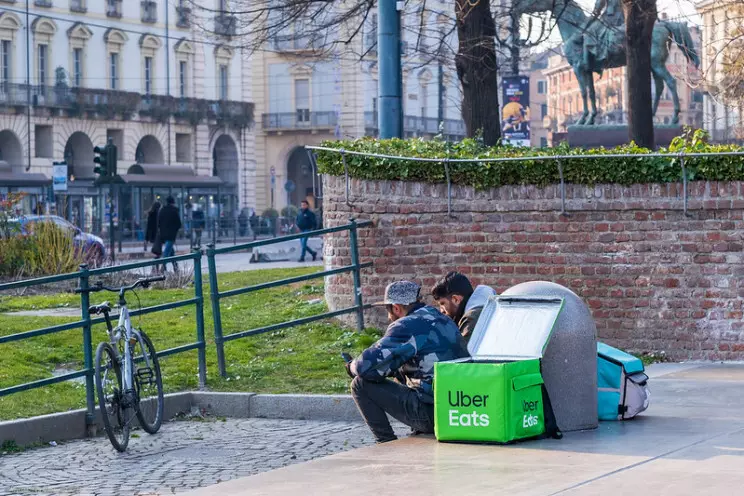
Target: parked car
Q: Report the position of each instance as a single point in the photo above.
(91, 245)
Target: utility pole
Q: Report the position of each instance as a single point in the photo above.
(390, 82)
(168, 72)
(440, 116)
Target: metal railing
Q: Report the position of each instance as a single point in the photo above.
(299, 120)
(86, 323)
(559, 160)
(220, 339)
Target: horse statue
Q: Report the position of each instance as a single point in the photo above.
(591, 47)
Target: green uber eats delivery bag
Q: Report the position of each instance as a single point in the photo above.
(498, 395)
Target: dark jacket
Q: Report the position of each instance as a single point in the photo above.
(410, 347)
(473, 309)
(197, 219)
(151, 231)
(306, 220)
(169, 223)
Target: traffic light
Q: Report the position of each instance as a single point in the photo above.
(105, 160)
(101, 161)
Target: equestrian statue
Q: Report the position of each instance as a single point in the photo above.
(598, 43)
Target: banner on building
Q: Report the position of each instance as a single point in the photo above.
(515, 114)
(59, 176)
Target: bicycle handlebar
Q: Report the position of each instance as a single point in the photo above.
(144, 282)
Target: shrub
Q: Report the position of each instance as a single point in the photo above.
(484, 175)
(45, 250)
(290, 212)
(270, 213)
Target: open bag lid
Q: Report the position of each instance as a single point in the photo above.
(516, 327)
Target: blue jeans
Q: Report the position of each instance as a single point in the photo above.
(305, 248)
(169, 251)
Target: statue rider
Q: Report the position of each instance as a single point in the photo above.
(598, 42)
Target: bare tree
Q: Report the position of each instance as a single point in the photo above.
(327, 28)
(640, 16)
(477, 69)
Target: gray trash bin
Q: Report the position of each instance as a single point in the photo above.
(569, 366)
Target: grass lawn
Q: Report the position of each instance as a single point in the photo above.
(297, 360)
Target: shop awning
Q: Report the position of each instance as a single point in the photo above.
(167, 175)
(10, 178)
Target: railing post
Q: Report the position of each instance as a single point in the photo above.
(215, 294)
(199, 295)
(357, 275)
(90, 401)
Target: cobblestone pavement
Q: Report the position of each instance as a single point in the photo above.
(183, 455)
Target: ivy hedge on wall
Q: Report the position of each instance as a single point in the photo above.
(483, 175)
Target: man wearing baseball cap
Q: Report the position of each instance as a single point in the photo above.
(418, 336)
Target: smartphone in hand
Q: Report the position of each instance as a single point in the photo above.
(347, 358)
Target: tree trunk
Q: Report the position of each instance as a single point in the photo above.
(477, 69)
(640, 16)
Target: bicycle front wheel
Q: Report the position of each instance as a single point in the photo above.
(111, 400)
(149, 385)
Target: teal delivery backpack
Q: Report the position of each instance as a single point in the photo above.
(622, 384)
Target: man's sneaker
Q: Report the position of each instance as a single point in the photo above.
(302, 260)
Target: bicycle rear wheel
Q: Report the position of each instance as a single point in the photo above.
(116, 417)
(149, 386)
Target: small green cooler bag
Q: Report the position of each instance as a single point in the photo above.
(499, 397)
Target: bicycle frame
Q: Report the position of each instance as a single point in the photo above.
(129, 333)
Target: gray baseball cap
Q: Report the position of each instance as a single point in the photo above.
(401, 293)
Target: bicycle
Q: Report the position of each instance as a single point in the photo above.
(137, 390)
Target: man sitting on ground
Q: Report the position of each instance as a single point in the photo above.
(456, 298)
(418, 336)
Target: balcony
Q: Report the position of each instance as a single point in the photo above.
(113, 8)
(43, 3)
(300, 120)
(149, 11)
(419, 126)
(78, 6)
(109, 105)
(184, 17)
(225, 25)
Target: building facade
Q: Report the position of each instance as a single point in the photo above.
(176, 104)
(721, 33)
(306, 94)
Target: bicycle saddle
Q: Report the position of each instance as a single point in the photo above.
(102, 308)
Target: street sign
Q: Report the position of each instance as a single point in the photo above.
(273, 170)
(59, 176)
(273, 176)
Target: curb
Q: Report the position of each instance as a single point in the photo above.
(67, 426)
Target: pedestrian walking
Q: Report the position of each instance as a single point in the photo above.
(306, 222)
(243, 222)
(169, 223)
(151, 230)
(197, 224)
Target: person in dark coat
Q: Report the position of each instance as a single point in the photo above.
(417, 338)
(151, 231)
(197, 224)
(169, 223)
(306, 222)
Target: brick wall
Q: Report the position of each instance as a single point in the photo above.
(655, 279)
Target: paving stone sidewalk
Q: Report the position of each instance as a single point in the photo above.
(183, 455)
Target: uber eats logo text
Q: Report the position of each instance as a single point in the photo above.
(465, 419)
(528, 419)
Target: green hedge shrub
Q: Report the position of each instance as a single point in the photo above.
(483, 175)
